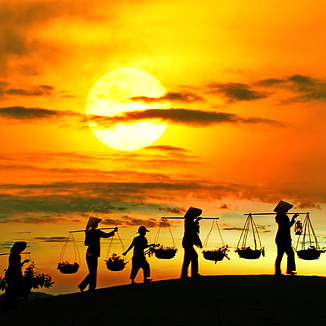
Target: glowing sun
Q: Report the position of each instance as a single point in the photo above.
(118, 92)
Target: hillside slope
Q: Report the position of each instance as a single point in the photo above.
(210, 300)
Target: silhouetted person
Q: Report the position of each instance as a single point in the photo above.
(139, 261)
(191, 239)
(14, 276)
(283, 238)
(92, 240)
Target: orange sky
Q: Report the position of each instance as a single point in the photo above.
(246, 125)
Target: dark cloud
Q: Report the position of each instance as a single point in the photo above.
(23, 113)
(167, 148)
(174, 210)
(185, 97)
(132, 221)
(232, 228)
(41, 90)
(110, 221)
(33, 115)
(224, 206)
(309, 89)
(54, 202)
(180, 116)
(308, 204)
(51, 239)
(6, 244)
(235, 92)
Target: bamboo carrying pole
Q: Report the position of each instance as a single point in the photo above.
(274, 213)
(96, 229)
(22, 253)
(182, 218)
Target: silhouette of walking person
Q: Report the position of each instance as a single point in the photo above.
(191, 238)
(92, 240)
(139, 261)
(14, 276)
(283, 238)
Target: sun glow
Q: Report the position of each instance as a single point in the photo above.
(120, 91)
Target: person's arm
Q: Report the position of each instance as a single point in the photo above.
(25, 261)
(130, 247)
(109, 234)
(293, 219)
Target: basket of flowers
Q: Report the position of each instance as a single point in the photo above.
(216, 254)
(68, 268)
(32, 279)
(165, 252)
(115, 263)
(308, 248)
(248, 253)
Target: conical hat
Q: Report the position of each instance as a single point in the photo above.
(18, 247)
(92, 222)
(283, 206)
(193, 213)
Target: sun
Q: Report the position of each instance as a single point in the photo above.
(120, 91)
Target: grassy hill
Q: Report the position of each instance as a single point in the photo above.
(210, 300)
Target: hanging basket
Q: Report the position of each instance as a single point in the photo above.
(248, 253)
(68, 268)
(245, 251)
(308, 239)
(64, 266)
(160, 251)
(165, 252)
(309, 254)
(216, 254)
(115, 263)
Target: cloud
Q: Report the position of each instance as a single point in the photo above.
(6, 244)
(309, 88)
(174, 210)
(179, 116)
(23, 113)
(40, 90)
(40, 115)
(185, 97)
(308, 204)
(235, 92)
(57, 202)
(195, 118)
(232, 228)
(133, 221)
(167, 148)
(51, 239)
(224, 206)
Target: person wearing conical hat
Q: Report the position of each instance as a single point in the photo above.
(14, 276)
(92, 241)
(191, 239)
(283, 238)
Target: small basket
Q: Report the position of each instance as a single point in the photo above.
(115, 263)
(248, 253)
(165, 252)
(68, 268)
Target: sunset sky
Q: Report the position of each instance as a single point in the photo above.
(246, 87)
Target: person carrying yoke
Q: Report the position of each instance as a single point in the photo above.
(283, 238)
(92, 240)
